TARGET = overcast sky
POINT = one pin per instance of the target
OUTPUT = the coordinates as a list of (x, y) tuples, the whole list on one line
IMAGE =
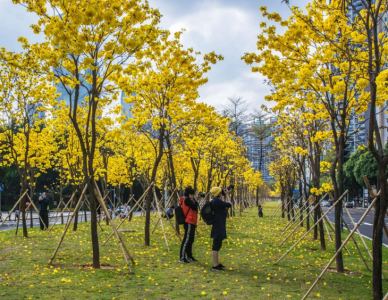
[(228, 27)]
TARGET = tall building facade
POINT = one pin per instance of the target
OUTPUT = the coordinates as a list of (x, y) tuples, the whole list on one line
[(258, 149), (126, 107), (361, 135), (66, 92)]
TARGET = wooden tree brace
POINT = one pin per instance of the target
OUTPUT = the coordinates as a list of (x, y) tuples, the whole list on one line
[(340, 248), (371, 192)]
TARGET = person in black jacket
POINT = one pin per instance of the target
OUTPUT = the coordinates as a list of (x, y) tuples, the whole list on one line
[(218, 233), (190, 209), (43, 211)]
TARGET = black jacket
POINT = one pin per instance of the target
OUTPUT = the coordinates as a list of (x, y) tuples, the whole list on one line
[(191, 203), (219, 224)]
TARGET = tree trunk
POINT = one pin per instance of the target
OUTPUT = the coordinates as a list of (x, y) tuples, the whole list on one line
[(257, 197), (172, 179), (150, 192), (23, 207), (30, 209), (338, 191), (75, 225), (93, 223), (378, 224), (315, 220), (300, 203), (321, 231)]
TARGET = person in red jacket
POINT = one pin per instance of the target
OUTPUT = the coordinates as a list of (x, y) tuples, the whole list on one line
[(190, 209)]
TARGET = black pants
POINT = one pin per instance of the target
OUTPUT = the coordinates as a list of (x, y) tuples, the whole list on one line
[(188, 240), (44, 215)]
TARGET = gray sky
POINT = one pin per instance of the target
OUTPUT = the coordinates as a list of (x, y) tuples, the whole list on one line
[(228, 27)]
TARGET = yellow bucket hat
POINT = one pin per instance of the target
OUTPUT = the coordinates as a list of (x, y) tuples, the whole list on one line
[(215, 191)]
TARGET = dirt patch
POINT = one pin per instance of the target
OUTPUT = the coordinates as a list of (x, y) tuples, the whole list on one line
[(143, 246), (127, 231), (312, 249), (102, 267), (307, 265), (348, 272), (3, 258)]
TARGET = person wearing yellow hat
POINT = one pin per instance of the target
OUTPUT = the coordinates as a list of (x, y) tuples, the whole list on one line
[(218, 233)]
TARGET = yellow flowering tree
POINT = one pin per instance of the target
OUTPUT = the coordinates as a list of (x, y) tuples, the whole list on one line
[(25, 140), (87, 44), (163, 83)]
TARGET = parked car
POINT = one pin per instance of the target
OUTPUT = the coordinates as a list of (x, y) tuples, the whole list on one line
[(349, 205), (325, 204), (330, 202)]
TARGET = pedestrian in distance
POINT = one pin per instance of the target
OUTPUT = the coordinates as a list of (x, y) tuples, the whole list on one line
[(170, 212), (16, 214), (229, 193), (43, 211), (218, 232), (260, 211), (126, 209), (190, 210)]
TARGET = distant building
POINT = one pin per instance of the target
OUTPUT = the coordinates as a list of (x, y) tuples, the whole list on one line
[(258, 149), (360, 137), (64, 91), (126, 107)]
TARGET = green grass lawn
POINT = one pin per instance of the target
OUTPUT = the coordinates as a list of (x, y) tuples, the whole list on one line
[(249, 254)]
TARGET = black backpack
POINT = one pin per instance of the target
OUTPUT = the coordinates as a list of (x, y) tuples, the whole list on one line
[(207, 213), (180, 215)]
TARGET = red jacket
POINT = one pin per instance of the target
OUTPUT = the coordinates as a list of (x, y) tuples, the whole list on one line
[(190, 213)]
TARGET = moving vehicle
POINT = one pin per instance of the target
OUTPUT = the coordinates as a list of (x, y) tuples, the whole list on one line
[(349, 204)]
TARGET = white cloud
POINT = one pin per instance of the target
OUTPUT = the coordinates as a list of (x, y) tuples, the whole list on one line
[(229, 31), (227, 27), (15, 21), (248, 85)]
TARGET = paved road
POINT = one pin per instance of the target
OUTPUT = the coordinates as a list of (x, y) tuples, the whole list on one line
[(52, 217), (366, 226)]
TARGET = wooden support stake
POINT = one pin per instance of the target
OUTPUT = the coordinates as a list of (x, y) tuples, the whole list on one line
[(280, 204), (355, 243), (124, 249), (9, 214), (298, 211), (296, 219), (312, 227), (332, 229), (297, 226), (63, 210), (160, 218), (359, 233), (342, 246), (327, 230), (173, 227), (371, 192), (167, 204), (67, 227), (288, 203), (136, 204)]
